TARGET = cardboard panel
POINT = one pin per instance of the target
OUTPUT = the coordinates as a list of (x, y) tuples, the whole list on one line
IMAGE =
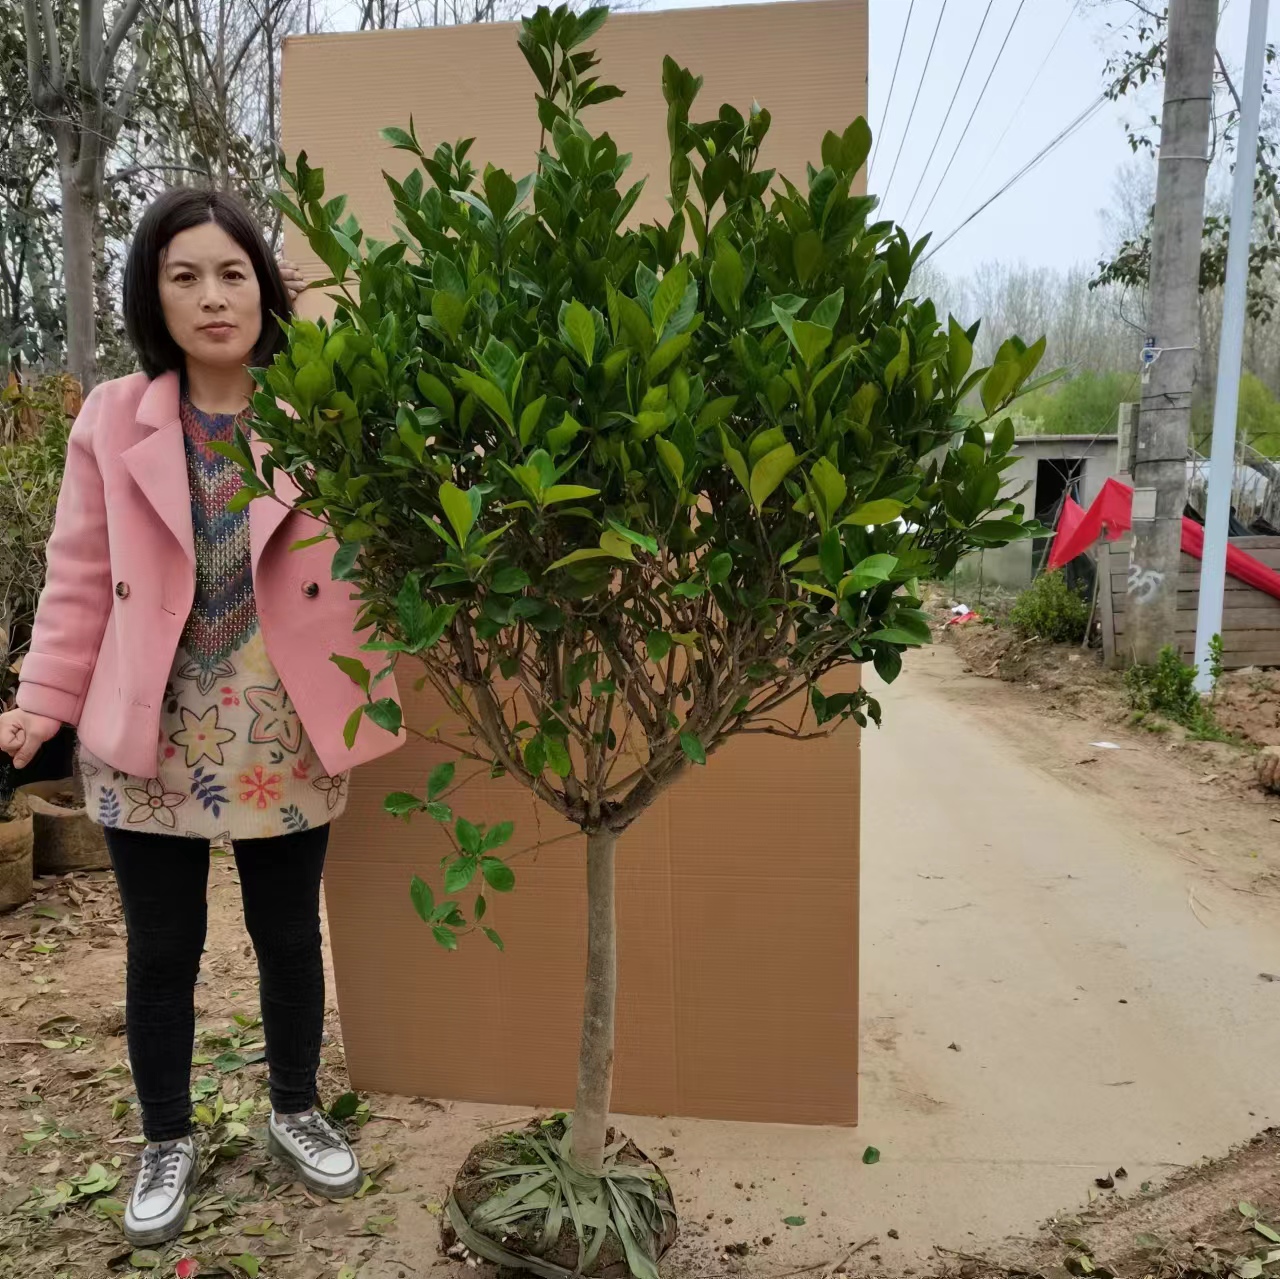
[(738, 942), (807, 63), (738, 890)]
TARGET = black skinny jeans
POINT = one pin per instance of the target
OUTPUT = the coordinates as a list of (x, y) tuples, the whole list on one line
[(163, 881)]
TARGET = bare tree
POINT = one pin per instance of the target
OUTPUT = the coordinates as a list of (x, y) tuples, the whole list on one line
[(83, 102)]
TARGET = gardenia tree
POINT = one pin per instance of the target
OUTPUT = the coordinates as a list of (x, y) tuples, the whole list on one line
[(625, 493)]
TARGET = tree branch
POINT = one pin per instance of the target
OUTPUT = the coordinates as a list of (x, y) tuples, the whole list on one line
[(119, 32)]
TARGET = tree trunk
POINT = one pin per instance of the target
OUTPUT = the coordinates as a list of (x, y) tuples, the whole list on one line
[(77, 258), (595, 1061)]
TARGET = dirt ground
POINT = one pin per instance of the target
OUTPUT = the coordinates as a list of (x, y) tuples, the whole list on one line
[(68, 1121)]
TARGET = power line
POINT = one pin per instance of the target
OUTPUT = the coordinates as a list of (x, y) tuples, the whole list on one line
[(915, 101), (986, 85), (1083, 118), (973, 48), (884, 119), (1022, 102)]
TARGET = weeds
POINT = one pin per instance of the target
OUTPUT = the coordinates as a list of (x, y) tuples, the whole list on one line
[(1168, 689), (1050, 609)]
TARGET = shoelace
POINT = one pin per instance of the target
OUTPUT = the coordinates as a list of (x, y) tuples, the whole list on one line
[(314, 1134), (160, 1169)]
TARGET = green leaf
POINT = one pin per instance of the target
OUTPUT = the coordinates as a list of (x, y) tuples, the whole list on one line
[(669, 296), (883, 511), (558, 757), (672, 459), (807, 253), (871, 1155), (530, 417), (435, 390), (793, 1221), (441, 779), (488, 393), (509, 580), (659, 644), (720, 568), (445, 937), (423, 898), (831, 556), (468, 836), (459, 873), (386, 714), (567, 493), (460, 508), (401, 803), (498, 875), (769, 472), (354, 669), (247, 1262), (497, 836), (642, 540), (345, 1107), (727, 277), (692, 746), (352, 726), (344, 561), (580, 328), (494, 938)]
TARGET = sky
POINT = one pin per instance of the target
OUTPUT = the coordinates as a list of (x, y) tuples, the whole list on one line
[(1050, 71)]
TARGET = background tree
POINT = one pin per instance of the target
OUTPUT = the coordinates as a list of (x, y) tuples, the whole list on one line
[(84, 100), (623, 501)]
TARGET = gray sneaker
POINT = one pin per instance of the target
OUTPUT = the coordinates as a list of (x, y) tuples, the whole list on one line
[(318, 1151), (157, 1208)]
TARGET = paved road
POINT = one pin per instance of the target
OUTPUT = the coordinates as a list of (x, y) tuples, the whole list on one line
[(1099, 1022)]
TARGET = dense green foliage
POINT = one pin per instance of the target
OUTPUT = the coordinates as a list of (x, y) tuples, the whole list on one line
[(1087, 404), (35, 420), (1052, 610), (624, 492), (1168, 689)]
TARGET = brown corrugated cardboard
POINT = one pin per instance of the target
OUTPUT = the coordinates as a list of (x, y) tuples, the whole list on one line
[(738, 954), (807, 63), (738, 890)]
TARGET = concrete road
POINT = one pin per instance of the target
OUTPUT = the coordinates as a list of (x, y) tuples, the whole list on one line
[(1105, 1009)]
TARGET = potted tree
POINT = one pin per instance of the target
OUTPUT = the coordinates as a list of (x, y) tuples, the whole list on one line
[(623, 493)]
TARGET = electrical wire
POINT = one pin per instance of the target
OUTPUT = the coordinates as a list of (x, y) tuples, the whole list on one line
[(888, 102), (986, 85), (902, 142), (973, 48), (1083, 118), (1022, 102)]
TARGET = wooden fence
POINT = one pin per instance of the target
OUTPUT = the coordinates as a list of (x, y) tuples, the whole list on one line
[(1250, 617)]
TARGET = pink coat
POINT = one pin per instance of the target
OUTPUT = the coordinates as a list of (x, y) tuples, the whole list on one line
[(121, 582)]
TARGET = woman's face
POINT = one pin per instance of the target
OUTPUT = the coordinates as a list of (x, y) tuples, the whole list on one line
[(210, 296)]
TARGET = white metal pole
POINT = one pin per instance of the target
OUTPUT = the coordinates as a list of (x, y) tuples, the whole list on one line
[(1222, 460)]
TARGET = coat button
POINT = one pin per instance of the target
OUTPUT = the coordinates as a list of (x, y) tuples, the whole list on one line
[(122, 590), (311, 589)]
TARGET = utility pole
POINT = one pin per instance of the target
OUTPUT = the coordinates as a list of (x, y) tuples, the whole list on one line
[(1164, 426), (1222, 459)]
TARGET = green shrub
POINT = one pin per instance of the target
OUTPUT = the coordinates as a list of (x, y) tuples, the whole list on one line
[(1051, 609), (1168, 689), (30, 475)]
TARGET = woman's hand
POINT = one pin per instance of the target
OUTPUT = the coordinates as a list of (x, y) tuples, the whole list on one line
[(22, 734), (294, 284)]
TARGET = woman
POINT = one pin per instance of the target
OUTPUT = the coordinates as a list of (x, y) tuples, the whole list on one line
[(190, 647)]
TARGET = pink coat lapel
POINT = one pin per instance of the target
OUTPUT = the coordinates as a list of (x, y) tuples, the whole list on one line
[(158, 462), (158, 465)]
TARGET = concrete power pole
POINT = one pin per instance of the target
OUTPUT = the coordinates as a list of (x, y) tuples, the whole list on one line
[(1164, 427)]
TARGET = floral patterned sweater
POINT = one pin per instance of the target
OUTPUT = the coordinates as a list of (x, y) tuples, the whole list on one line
[(234, 761)]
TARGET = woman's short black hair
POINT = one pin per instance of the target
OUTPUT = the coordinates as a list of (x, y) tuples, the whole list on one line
[(170, 214)]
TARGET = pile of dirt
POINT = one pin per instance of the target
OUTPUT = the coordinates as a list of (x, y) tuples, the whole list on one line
[(1247, 705), (1217, 1219), (1074, 676)]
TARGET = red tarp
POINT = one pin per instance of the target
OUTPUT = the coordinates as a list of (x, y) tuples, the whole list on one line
[(1110, 517)]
